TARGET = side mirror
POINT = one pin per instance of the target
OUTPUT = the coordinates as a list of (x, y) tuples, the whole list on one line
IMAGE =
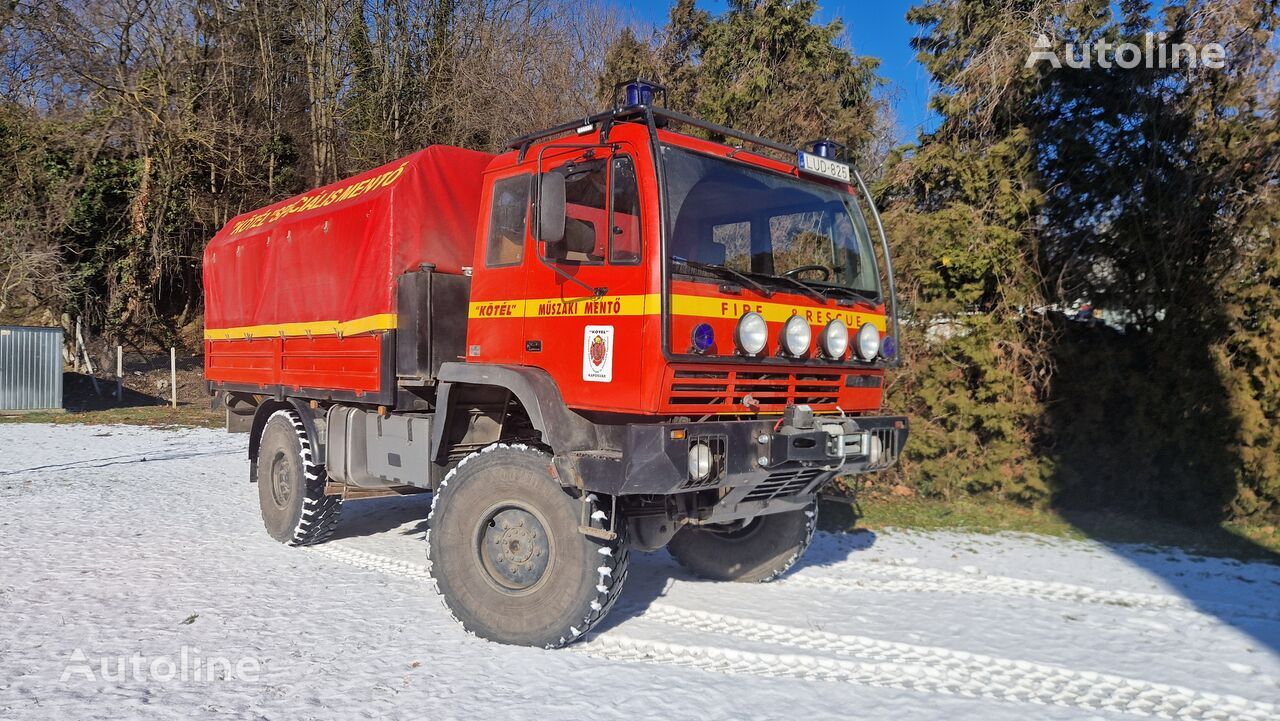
[(550, 208)]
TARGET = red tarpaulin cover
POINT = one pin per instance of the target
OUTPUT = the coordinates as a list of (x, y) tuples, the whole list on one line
[(334, 253)]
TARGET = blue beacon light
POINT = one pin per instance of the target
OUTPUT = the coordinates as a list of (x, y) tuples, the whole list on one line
[(703, 337)]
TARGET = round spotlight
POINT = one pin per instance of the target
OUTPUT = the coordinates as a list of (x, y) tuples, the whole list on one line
[(699, 461), (868, 342), (875, 450), (752, 333), (796, 336), (703, 337), (835, 339), (888, 347)]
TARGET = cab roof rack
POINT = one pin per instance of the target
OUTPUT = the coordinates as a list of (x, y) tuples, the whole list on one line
[(645, 114)]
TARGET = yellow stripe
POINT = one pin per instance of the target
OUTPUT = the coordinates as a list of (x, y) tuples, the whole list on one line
[(616, 305), (606, 305), (651, 304), (557, 307), (496, 309), (368, 324), (706, 307)]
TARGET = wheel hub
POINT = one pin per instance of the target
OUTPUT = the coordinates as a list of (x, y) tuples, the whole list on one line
[(280, 481), (514, 548)]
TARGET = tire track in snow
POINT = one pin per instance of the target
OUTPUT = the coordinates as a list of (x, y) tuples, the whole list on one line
[(1154, 701), (374, 562), (910, 579), (920, 580), (972, 674), (888, 664), (158, 456)]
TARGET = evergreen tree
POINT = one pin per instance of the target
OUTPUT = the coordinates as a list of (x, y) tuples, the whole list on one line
[(764, 67), (962, 208), (1163, 212)]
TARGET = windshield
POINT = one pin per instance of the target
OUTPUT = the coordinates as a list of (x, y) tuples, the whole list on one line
[(725, 215)]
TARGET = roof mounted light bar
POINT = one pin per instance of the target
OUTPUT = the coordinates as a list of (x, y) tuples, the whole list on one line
[(829, 149), (638, 92)]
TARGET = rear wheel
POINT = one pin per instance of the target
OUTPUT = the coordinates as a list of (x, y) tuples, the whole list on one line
[(759, 550), (507, 554), (295, 509)]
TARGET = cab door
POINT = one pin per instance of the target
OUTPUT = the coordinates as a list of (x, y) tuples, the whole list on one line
[(586, 307), (496, 313)]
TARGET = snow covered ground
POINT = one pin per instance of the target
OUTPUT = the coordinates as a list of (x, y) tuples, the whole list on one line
[(121, 543)]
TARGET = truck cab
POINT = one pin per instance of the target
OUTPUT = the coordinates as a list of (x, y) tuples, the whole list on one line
[(690, 294), (670, 333)]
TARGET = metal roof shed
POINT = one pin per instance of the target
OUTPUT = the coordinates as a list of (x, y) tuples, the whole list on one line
[(30, 369)]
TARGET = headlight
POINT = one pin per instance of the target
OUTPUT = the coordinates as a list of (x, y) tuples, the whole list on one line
[(875, 450), (868, 342), (835, 339), (752, 333), (797, 335), (699, 461)]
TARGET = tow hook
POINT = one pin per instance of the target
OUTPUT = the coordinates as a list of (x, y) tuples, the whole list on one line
[(835, 445)]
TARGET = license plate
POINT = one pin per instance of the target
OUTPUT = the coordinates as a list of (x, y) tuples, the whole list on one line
[(825, 167)]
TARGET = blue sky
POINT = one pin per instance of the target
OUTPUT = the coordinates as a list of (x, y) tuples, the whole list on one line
[(875, 27)]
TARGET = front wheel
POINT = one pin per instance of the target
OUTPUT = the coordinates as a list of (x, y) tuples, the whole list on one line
[(507, 554), (759, 550)]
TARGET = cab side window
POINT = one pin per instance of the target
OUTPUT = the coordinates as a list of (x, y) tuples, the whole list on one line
[(507, 221), (624, 236), (585, 223)]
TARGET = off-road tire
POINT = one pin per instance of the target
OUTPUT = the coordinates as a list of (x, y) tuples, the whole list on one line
[(295, 509), (473, 521), (759, 552)]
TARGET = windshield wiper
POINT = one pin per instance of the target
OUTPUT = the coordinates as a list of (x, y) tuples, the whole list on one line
[(725, 271), (799, 284), (864, 299)]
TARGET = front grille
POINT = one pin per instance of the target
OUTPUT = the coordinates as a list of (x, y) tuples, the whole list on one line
[(696, 390), (784, 483)]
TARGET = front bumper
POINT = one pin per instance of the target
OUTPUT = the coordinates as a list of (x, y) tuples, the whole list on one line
[(756, 460)]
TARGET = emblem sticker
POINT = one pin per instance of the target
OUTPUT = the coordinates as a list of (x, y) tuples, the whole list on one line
[(597, 354)]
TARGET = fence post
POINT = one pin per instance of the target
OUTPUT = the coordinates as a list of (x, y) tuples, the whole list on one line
[(173, 374), (84, 351), (119, 373)]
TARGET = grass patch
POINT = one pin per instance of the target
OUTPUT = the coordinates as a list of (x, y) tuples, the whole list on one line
[(185, 415), (989, 515)]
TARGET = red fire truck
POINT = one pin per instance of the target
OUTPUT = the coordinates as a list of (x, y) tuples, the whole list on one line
[(614, 336)]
